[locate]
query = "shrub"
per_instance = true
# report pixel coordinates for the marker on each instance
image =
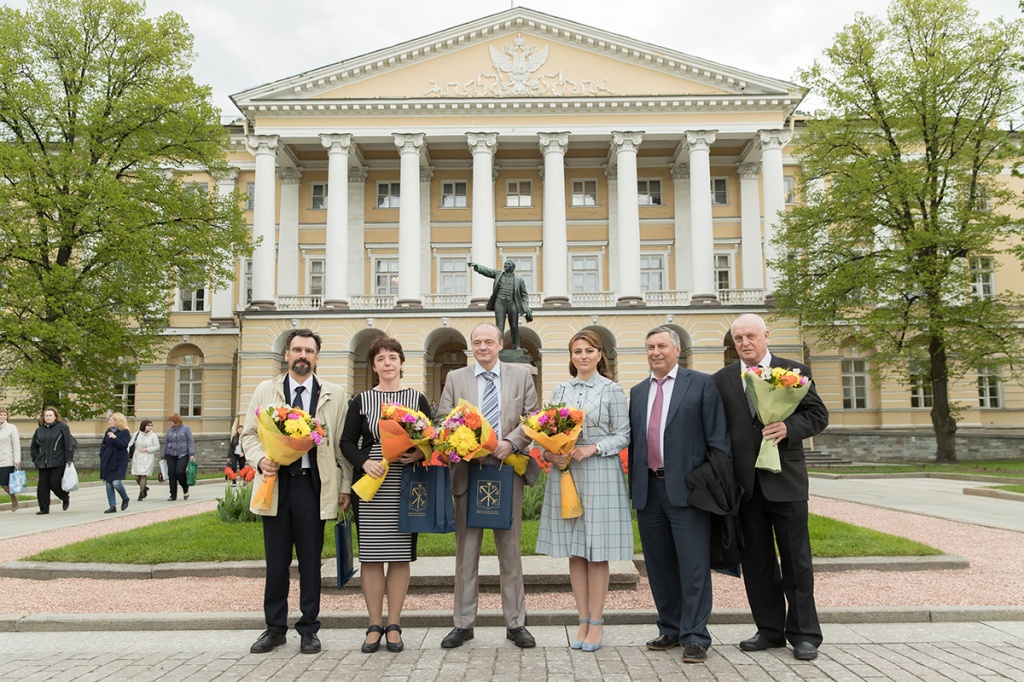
(234, 506)
(533, 498)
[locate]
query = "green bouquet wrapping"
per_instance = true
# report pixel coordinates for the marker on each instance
(775, 394)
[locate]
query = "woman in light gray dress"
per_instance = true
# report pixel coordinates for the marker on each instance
(605, 530)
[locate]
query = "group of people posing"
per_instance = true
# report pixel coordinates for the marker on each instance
(675, 421)
(53, 452)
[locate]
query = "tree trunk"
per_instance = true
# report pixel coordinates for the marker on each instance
(943, 421)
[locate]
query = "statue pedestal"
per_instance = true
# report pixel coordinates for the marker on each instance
(514, 355)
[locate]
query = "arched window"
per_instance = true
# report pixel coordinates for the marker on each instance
(188, 380)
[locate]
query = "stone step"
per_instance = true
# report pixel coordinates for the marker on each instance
(819, 458)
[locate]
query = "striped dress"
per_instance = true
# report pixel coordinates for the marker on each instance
(605, 531)
(377, 520)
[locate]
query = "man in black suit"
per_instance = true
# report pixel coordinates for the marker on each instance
(676, 418)
(774, 506)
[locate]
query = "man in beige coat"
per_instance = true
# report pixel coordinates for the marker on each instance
(305, 495)
(518, 396)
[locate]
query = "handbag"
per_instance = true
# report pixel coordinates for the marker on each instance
(163, 470)
(19, 482)
(190, 473)
(489, 496)
(69, 483)
(343, 550)
(426, 504)
(131, 446)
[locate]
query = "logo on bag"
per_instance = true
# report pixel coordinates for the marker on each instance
(418, 497)
(488, 495)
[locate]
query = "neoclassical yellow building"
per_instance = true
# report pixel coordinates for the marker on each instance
(632, 185)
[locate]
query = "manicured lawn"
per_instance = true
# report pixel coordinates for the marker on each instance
(205, 537)
(1011, 488)
(991, 467)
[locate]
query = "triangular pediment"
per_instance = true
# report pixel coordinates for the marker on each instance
(519, 53)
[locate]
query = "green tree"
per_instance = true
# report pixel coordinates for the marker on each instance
(100, 122)
(905, 180)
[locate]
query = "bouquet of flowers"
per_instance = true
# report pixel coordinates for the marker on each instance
(556, 428)
(286, 434)
(463, 435)
(401, 429)
(775, 394)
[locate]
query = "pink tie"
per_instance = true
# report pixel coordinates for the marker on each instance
(654, 457)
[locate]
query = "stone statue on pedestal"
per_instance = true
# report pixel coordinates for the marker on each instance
(509, 298)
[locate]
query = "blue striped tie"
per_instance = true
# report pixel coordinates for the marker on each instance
(490, 408)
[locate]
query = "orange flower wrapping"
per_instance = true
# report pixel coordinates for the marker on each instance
(278, 448)
(394, 440)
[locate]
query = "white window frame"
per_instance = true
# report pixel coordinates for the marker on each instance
(730, 269)
(250, 196)
(724, 183)
(855, 380)
(789, 189)
(598, 270)
(126, 396)
(192, 300)
(450, 197)
(581, 196)
(392, 194)
(459, 272)
(316, 279)
(246, 293)
(990, 389)
(189, 373)
(646, 194)
(197, 187)
(514, 189)
(392, 288)
(661, 271)
(318, 196)
(920, 385)
(983, 278)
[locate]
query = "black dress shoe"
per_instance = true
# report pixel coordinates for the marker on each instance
(663, 642)
(310, 644)
(267, 642)
(759, 643)
(370, 647)
(456, 638)
(394, 646)
(805, 651)
(521, 636)
(66, 503)
(694, 653)
(124, 504)
(111, 510)
(40, 513)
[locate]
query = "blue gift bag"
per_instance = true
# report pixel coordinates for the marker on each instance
(19, 483)
(343, 550)
(489, 496)
(426, 504)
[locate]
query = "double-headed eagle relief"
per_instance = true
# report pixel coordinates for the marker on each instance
(518, 72)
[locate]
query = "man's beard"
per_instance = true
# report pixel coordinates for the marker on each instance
(301, 367)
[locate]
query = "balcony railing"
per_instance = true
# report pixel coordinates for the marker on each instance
(678, 298)
(741, 296)
(299, 302)
(371, 301)
(586, 299)
(445, 301)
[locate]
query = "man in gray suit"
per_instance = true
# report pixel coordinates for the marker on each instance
(517, 396)
(676, 418)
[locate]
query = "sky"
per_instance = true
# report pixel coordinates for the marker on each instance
(242, 44)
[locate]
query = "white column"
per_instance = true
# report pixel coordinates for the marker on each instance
(625, 145)
(556, 248)
(263, 224)
(223, 295)
(611, 173)
(684, 248)
(409, 244)
(702, 233)
(771, 143)
(426, 256)
(336, 271)
(750, 227)
(354, 249)
(288, 233)
(483, 146)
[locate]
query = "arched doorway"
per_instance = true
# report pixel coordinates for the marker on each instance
(445, 350)
(363, 376)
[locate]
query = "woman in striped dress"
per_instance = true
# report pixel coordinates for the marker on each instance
(377, 520)
(605, 530)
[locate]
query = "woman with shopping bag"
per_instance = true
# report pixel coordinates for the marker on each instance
(146, 446)
(53, 451)
(179, 450)
(10, 455)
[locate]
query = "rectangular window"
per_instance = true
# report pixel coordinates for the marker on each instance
(525, 269)
(385, 272)
(453, 194)
(648, 192)
(318, 196)
(317, 272)
(855, 385)
(250, 196)
(652, 272)
(719, 191)
(585, 274)
(789, 189)
(983, 278)
(454, 276)
(518, 194)
(584, 192)
(920, 384)
(247, 270)
(125, 397)
(388, 194)
(988, 389)
(192, 300)
(197, 187)
(190, 391)
(723, 271)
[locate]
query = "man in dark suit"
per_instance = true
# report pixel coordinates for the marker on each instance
(676, 419)
(509, 298)
(512, 387)
(774, 506)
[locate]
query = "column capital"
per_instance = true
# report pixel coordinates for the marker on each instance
(336, 143)
(772, 139)
(409, 143)
(700, 139)
(679, 171)
(426, 173)
(358, 173)
(264, 144)
(480, 143)
(611, 172)
(554, 142)
(228, 176)
(626, 141)
(750, 171)
(289, 176)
